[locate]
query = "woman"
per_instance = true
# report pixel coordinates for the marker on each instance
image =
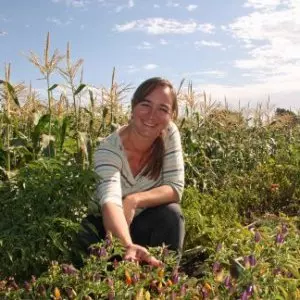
(142, 177)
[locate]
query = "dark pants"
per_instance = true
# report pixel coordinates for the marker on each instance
(152, 227)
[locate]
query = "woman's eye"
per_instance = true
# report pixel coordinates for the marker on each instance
(165, 110)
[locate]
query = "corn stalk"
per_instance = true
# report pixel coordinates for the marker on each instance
(47, 68)
(9, 95)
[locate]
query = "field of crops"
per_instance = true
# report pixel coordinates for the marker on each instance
(241, 202)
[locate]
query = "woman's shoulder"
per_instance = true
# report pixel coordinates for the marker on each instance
(110, 142)
(172, 129)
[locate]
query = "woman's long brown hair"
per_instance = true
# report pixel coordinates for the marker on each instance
(156, 154)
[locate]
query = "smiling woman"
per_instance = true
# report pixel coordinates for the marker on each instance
(142, 178)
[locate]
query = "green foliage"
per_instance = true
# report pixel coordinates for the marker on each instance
(41, 209)
(106, 276)
(252, 264)
(261, 261)
(205, 218)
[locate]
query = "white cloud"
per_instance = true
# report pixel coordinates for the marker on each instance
(170, 3)
(164, 26)
(269, 35)
(3, 19)
(263, 4)
(145, 46)
(74, 3)
(202, 43)
(213, 73)
(150, 67)
(3, 33)
(206, 28)
(58, 21)
(119, 8)
(163, 42)
(126, 27)
(132, 69)
(252, 93)
(191, 7)
(130, 3)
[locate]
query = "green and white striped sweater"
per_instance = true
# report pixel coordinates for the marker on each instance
(116, 180)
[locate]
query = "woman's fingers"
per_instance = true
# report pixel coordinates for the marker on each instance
(139, 253)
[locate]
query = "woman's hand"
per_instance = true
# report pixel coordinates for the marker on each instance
(129, 207)
(138, 253)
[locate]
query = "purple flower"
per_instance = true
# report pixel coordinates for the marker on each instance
(101, 252)
(165, 251)
(219, 247)
(175, 277)
(276, 271)
(204, 293)
(12, 283)
(111, 295)
(216, 267)
(284, 229)
(244, 296)
(68, 269)
(250, 227)
(173, 296)
(279, 238)
(246, 262)
(33, 279)
(183, 290)
(252, 260)
(27, 286)
(115, 263)
(97, 277)
(135, 278)
(249, 290)
(110, 282)
(108, 239)
(227, 282)
(257, 237)
(41, 290)
(71, 293)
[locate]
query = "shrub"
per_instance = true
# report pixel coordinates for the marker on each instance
(40, 213)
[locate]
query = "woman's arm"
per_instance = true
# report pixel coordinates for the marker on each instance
(114, 221)
(172, 179)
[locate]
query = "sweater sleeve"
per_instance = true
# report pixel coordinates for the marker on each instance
(173, 165)
(108, 165)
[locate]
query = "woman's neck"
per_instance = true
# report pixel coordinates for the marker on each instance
(132, 141)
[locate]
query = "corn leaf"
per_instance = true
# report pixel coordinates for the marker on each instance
(53, 87)
(79, 89)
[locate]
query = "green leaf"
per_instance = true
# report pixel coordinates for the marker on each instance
(293, 270)
(79, 89)
(10, 256)
(11, 91)
(283, 291)
(53, 87)
(47, 145)
(92, 98)
(43, 121)
(87, 111)
(65, 124)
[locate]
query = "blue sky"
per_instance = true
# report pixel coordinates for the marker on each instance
(242, 49)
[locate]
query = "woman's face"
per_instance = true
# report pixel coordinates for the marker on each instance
(153, 113)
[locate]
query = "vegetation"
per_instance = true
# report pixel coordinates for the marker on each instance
(241, 201)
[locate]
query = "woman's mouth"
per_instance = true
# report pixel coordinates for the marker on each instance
(149, 124)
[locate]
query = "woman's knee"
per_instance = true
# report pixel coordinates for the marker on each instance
(172, 213)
